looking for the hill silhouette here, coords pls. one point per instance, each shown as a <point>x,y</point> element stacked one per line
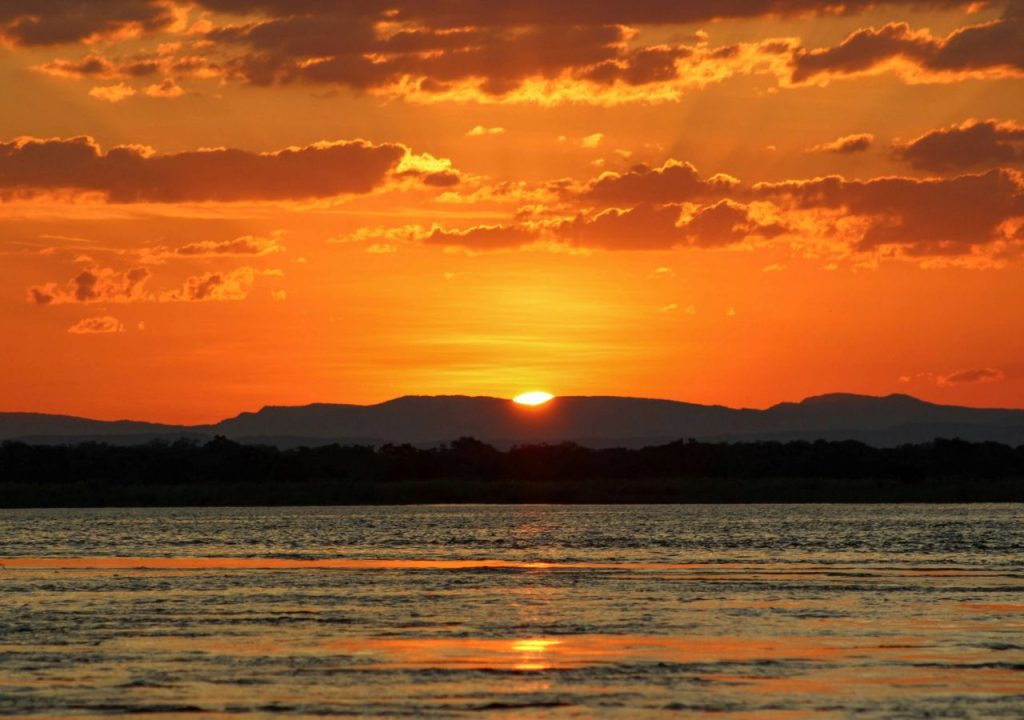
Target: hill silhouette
<point>595,422</point>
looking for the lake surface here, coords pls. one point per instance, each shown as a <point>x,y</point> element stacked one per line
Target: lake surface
<point>514,611</point>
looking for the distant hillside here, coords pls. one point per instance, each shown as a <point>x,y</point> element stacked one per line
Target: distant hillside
<point>590,421</point>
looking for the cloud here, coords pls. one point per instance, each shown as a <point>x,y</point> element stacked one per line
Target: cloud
<point>726,223</point>
<point>112,93</point>
<point>129,174</point>
<point>166,89</point>
<point>481,130</point>
<point>591,141</point>
<point>674,181</point>
<point>88,66</point>
<point>846,145</point>
<point>659,227</point>
<point>107,285</point>
<point>972,220</point>
<point>167,61</point>
<point>976,375</point>
<point>990,49</point>
<point>97,325</point>
<point>91,285</point>
<point>545,52</point>
<point>963,146</point>
<point>54,22</point>
<point>245,245</point>
<point>483,237</point>
<point>930,217</point>
<point>570,51</point>
<point>465,13</point>
<point>214,286</point>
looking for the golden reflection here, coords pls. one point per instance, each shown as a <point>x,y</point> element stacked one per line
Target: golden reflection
<point>534,653</point>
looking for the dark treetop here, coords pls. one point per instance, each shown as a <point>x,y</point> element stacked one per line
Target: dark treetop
<point>223,472</point>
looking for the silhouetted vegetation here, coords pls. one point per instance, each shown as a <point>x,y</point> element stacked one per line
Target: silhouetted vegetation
<point>222,472</point>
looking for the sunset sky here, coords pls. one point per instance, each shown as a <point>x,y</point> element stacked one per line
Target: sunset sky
<point>209,207</point>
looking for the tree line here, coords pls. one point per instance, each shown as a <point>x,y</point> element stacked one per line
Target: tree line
<point>223,472</point>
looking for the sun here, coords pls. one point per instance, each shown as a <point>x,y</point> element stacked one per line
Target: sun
<point>533,398</point>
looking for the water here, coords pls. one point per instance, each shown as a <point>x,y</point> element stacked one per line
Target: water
<point>523,611</point>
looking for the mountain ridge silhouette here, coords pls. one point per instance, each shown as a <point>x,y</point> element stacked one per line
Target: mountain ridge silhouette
<point>592,421</point>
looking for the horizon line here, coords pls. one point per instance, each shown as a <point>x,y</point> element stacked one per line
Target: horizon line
<point>510,401</point>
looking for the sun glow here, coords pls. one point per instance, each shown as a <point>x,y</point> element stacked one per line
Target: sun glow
<point>533,398</point>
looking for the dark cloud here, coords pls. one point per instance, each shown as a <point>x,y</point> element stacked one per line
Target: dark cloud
<point>94,284</point>
<point>54,22</point>
<point>89,66</point>
<point>975,375</point>
<point>644,227</point>
<point>660,227</point>
<point>969,144</point>
<point>726,223</point>
<point>924,217</point>
<point>464,13</point>
<point>435,46</point>
<point>107,285</point>
<point>640,67</point>
<point>222,286</point>
<point>131,174</point>
<point>672,182</point>
<point>436,43</point>
<point>442,179</point>
<point>990,46</point>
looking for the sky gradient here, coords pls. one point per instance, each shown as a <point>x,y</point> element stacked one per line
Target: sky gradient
<point>213,206</point>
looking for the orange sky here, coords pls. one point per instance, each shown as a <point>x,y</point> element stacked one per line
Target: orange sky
<point>212,206</point>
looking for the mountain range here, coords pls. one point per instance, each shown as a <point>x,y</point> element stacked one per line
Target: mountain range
<point>589,421</point>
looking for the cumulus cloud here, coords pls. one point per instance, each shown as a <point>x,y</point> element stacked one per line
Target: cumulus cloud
<point>975,375</point>
<point>975,220</point>
<point>168,61</point>
<point>166,89</point>
<point>54,22</point>
<point>566,51</point>
<point>653,227</point>
<point>231,285</point>
<point>989,49</point>
<point>674,181</point>
<point>726,223</point>
<point>88,66</point>
<point>128,174</point>
<point>971,220</point>
<point>97,325</point>
<point>922,217</point>
<point>91,285</point>
<point>645,226</point>
<point>107,285</point>
<point>846,145</point>
<point>464,50</point>
<point>963,146</point>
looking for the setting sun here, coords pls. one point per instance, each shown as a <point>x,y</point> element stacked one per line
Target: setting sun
<point>533,398</point>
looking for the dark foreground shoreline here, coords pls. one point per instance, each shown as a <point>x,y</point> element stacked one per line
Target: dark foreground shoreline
<point>224,473</point>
